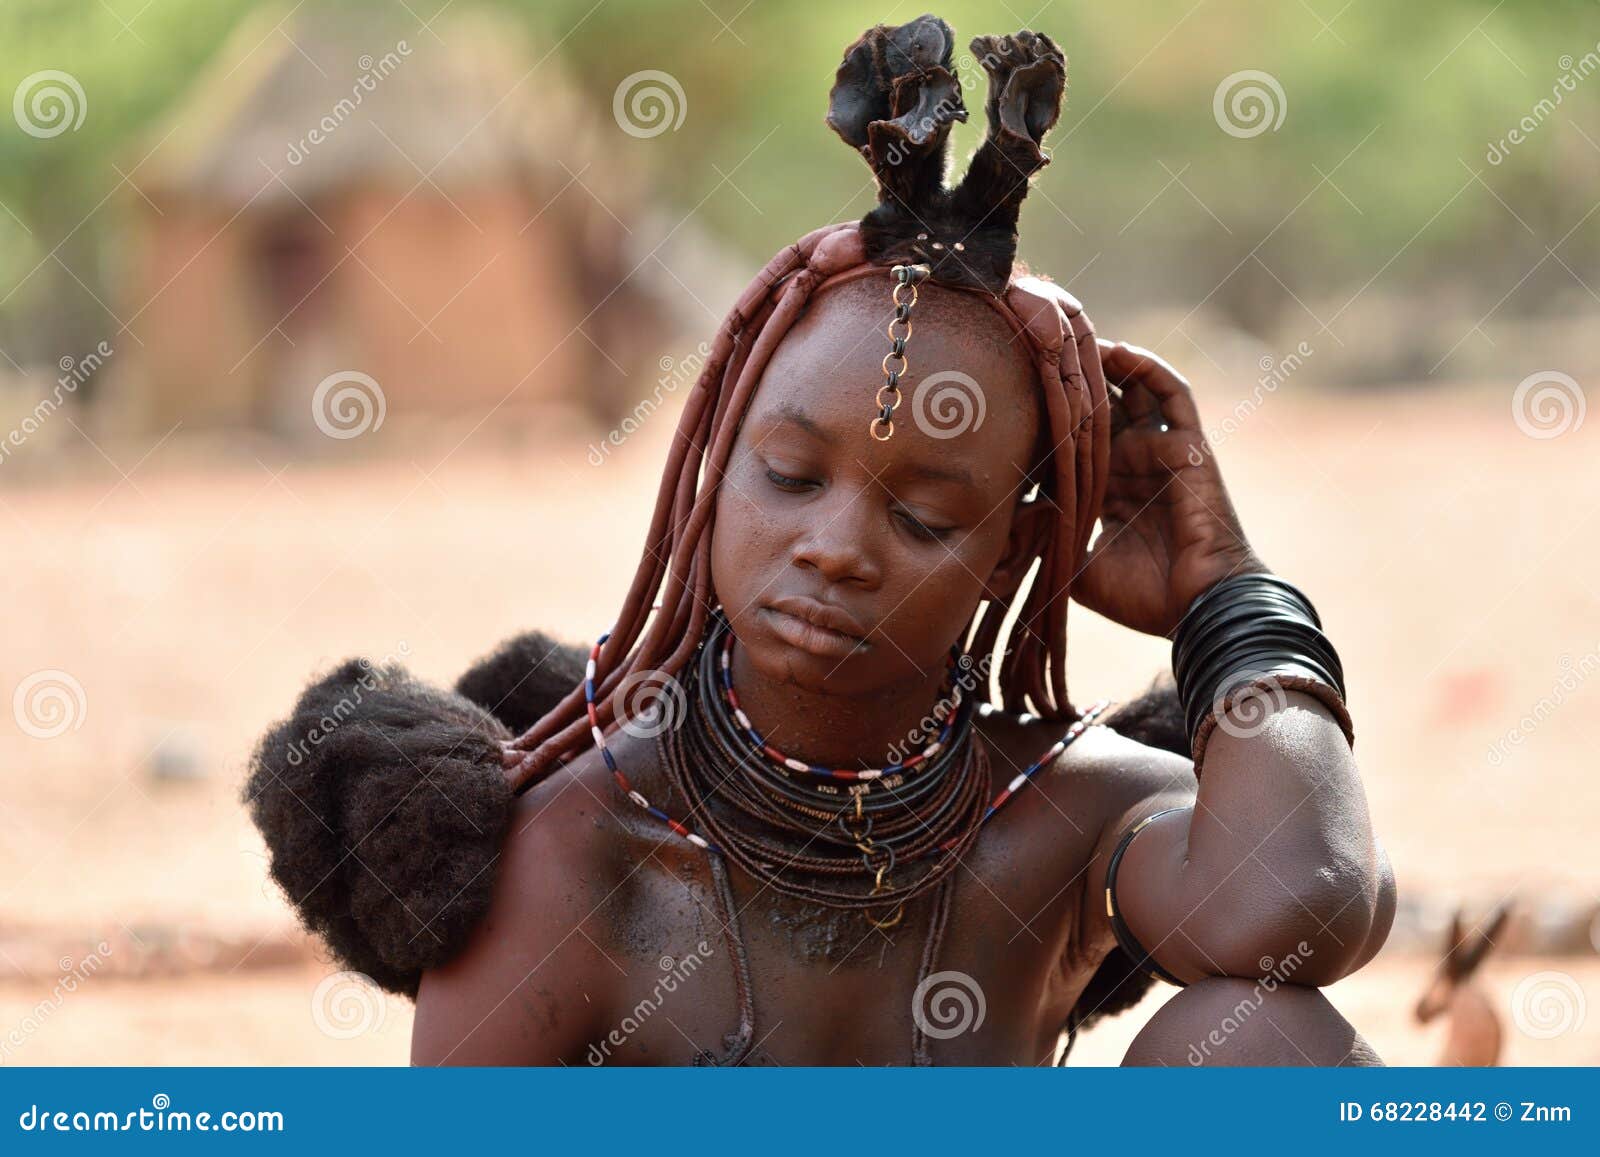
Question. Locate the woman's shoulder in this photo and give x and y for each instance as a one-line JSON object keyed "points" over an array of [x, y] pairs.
{"points": [[578, 823], [566, 820], [1130, 751], [526, 983], [1112, 738]]}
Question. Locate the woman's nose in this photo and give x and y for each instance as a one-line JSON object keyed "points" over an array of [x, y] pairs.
{"points": [[839, 546]]}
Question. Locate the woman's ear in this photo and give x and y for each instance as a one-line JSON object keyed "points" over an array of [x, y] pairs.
{"points": [[1030, 527]]}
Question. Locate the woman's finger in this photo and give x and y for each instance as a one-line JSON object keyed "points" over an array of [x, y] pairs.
{"points": [[1135, 403], [1124, 364], [1139, 405], [1135, 361]]}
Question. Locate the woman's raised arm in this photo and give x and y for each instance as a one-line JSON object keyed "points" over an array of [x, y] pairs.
{"points": [[1273, 865]]}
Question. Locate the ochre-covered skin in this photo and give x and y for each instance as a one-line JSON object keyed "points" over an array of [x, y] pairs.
{"points": [[773, 489]]}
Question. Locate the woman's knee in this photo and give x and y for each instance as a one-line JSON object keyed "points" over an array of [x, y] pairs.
{"points": [[1228, 1021]]}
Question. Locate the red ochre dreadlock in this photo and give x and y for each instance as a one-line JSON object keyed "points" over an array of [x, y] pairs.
{"points": [[677, 556]]}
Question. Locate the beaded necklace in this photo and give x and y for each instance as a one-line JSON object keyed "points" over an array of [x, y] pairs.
{"points": [[1088, 719], [944, 709], [864, 836]]}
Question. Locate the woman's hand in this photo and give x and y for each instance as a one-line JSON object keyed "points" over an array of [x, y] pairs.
{"points": [[1168, 528]]}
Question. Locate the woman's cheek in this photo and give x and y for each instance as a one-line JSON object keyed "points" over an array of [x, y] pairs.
{"points": [[746, 543], [934, 588], [952, 583]]}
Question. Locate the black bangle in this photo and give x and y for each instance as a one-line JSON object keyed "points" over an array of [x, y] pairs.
{"points": [[1126, 940], [1248, 629]]}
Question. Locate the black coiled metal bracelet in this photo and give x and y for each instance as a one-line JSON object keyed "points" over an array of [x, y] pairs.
{"points": [[1252, 637]]}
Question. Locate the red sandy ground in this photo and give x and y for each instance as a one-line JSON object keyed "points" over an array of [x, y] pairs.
{"points": [[1452, 558]]}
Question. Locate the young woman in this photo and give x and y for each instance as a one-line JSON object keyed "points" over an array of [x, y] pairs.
{"points": [[829, 802]]}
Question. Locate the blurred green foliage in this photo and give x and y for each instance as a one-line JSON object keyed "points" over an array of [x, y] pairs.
{"points": [[1391, 109]]}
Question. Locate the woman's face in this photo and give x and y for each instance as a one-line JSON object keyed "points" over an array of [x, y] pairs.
{"points": [[892, 545]]}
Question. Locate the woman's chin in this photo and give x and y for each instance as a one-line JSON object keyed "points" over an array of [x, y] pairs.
{"points": [[776, 661]]}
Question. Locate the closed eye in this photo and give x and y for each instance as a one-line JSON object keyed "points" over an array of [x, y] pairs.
{"points": [[784, 482], [912, 523], [922, 529]]}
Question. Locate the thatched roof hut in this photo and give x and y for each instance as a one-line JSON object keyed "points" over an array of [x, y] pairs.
{"points": [[345, 193]]}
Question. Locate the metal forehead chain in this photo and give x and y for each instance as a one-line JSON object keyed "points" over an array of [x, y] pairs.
{"points": [[904, 295]]}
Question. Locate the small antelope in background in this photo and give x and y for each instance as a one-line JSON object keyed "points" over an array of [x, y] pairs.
{"points": [[1474, 1036]]}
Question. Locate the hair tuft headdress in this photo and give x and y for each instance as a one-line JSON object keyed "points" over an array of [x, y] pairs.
{"points": [[894, 100]]}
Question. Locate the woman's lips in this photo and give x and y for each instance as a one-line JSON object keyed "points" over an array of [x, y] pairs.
{"points": [[804, 636]]}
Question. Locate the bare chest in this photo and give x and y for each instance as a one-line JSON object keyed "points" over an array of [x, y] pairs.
{"points": [[730, 970]]}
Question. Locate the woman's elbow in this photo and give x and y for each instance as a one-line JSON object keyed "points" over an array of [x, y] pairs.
{"points": [[1333, 925], [1311, 929]]}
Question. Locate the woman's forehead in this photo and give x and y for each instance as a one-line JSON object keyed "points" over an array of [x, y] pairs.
{"points": [[911, 458], [968, 387]]}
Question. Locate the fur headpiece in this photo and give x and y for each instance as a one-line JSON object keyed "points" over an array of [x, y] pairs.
{"points": [[894, 100]]}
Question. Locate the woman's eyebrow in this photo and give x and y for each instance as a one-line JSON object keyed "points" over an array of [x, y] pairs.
{"points": [[959, 474], [789, 412]]}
